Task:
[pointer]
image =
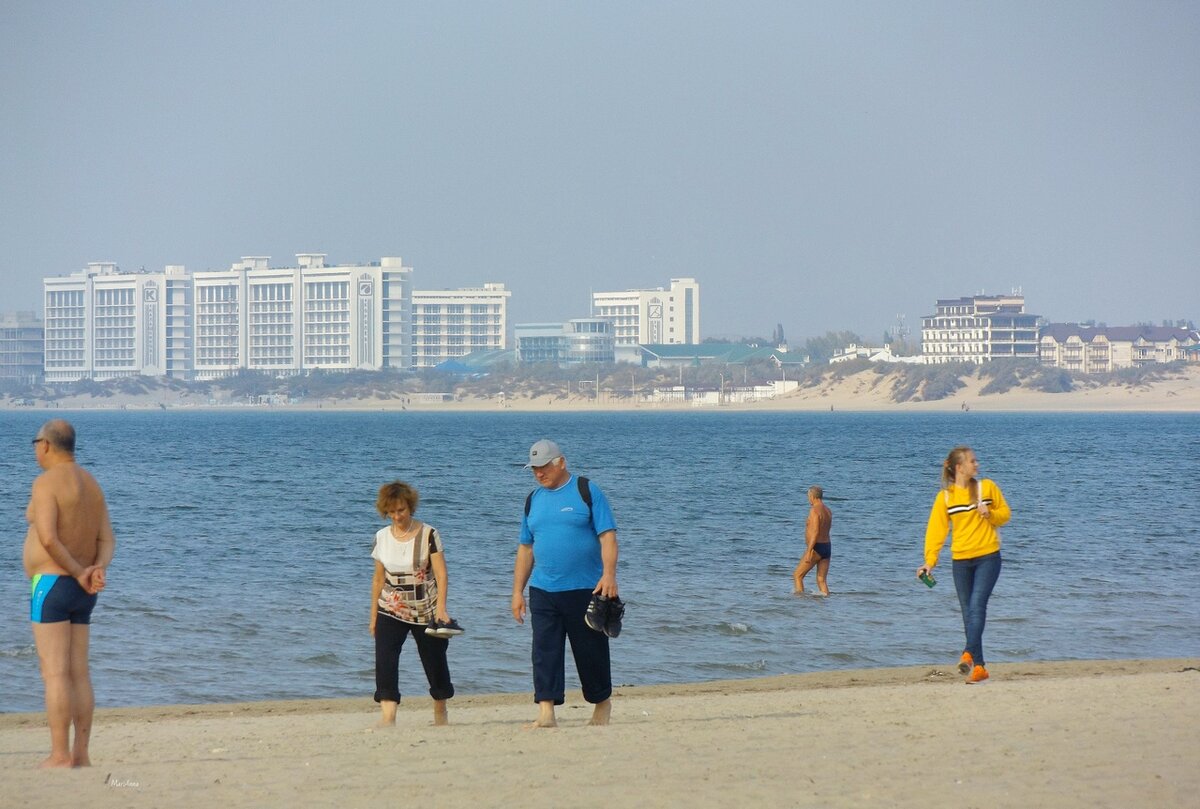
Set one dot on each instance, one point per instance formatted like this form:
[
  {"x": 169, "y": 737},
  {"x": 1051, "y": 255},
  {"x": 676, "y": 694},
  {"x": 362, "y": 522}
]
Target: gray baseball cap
[{"x": 542, "y": 453}]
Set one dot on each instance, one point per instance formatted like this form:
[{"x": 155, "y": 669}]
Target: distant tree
[
  {"x": 905, "y": 347},
  {"x": 820, "y": 349}
]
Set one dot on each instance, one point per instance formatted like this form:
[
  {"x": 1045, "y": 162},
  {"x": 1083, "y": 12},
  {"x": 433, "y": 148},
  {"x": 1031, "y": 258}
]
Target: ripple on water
[{"x": 225, "y": 582}]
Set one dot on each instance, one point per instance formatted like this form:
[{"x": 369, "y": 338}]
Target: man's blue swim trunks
[{"x": 54, "y": 599}]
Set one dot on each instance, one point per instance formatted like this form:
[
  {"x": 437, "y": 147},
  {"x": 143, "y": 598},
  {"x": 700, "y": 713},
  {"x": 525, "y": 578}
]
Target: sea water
[{"x": 243, "y": 563}]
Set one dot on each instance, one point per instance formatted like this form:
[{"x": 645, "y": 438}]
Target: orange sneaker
[
  {"x": 978, "y": 675},
  {"x": 966, "y": 663}
]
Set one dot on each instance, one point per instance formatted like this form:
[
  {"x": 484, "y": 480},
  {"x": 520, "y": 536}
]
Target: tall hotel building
[
  {"x": 21, "y": 347},
  {"x": 102, "y": 323},
  {"x": 979, "y": 329},
  {"x": 652, "y": 316},
  {"x": 451, "y": 323}
]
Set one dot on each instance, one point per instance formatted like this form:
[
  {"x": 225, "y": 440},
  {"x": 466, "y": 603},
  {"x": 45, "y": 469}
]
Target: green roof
[{"x": 721, "y": 352}]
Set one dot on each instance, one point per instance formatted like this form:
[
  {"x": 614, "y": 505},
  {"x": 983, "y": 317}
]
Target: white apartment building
[
  {"x": 652, "y": 316},
  {"x": 103, "y": 323},
  {"x": 21, "y": 347},
  {"x": 1103, "y": 349},
  {"x": 979, "y": 329},
  {"x": 451, "y": 323}
]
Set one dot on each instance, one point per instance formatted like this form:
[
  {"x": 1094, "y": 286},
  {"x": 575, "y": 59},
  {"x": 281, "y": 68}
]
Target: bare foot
[
  {"x": 545, "y": 716},
  {"x": 387, "y": 714},
  {"x": 601, "y": 713},
  {"x": 55, "y": 762},
  {"x": 798, "y": 591},
  {"x": 81, "y": 761},
  {"x": 440, "y": 715}
]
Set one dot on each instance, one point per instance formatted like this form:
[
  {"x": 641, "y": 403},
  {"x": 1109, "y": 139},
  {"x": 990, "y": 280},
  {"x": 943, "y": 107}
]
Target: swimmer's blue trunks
[
  {"x": 823, "y": 549},
  {"x": 54, "y": 599}
]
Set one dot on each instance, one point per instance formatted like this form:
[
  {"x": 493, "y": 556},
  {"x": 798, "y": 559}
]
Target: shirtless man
[
  {"x": 67, "y": 549},
  {"x": 816, "y": 538}
]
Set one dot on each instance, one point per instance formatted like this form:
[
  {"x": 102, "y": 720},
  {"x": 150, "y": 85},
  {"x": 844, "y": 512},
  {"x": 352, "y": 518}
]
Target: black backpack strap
[{"x": 586, "y": 493}]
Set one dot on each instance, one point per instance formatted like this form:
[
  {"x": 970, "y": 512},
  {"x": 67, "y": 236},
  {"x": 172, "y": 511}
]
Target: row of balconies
[
  {"x": 436, "y": 309},
  {"x": 456, "y": 330}
]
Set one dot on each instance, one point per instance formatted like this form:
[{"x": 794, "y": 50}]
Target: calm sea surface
[{"x": 243, "y": 569}]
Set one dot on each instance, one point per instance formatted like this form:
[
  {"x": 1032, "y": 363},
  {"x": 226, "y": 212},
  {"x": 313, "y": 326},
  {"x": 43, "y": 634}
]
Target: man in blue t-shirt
[{"x": 566, "y": 556}]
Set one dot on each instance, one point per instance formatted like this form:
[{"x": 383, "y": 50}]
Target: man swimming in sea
[{"x": 68, "y": 547}]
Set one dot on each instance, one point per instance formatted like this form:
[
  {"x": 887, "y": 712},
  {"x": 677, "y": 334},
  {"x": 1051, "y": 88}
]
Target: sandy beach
[
  {"x": 865, "y": 391},
  {"x": 1062, "y": 734}
]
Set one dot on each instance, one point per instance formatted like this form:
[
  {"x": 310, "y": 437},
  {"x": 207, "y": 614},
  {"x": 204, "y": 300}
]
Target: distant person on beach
[
  {"x": 408, "y": 596},
  {"x": 68, "y": 548},
  {"x": 818, "y": 548},
  {"x": 568, "y": 556},
  {"x": 971, "y": 510}
]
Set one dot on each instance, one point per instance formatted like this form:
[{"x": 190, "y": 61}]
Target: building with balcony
[
  {"x": 979, "y": 329},
  {"x": 1103, "y": 349},
  {"x": 451, "y": 323},
  {"x": 103, "y": 323},
  {"x": 21, "y": 347},
  {"x": 660, "y": 316},
  {"x": 577, "y": 341}
]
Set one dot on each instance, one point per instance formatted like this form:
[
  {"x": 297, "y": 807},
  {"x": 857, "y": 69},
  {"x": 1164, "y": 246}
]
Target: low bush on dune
[
  {"x": 840, "y": 370},
  {"x": 1051, "y": 380},
  {"x": 1004, "y": 375},
  {"x": 928, "y": 383}
]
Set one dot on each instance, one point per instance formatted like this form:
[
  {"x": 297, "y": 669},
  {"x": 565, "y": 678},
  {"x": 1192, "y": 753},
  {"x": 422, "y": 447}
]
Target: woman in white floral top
[{"x": 408, "y": 595}]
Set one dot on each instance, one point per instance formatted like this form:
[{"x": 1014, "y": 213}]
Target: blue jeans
[{"x": 974, "y": 580}]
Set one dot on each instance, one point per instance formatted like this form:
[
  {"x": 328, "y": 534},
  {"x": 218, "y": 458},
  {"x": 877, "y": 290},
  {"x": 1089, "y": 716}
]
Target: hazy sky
[{"x": 820, "y": 165}]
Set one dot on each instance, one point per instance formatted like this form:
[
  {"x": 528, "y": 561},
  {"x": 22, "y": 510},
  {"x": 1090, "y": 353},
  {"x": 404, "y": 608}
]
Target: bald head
[{"x": 59, "y": 434}]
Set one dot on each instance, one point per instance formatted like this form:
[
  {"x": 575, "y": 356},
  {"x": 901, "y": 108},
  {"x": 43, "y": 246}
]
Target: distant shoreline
[{"x": 867, "y": 391}]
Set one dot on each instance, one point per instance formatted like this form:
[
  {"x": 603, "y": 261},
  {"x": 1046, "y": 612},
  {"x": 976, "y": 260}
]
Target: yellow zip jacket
[{"x": 973, "y": 535}]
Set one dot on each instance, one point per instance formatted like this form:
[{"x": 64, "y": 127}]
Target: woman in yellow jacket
[{"x": 971, "y": 510}]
